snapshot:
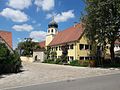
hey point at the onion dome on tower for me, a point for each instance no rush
(53, 24)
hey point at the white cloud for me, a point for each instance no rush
(49, 16)
(46, 5)
(63, 16)
(19, 4)
(24, 27)
(38, 35)
(14, 15)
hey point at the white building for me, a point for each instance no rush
(117, 46)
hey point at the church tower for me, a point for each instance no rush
(52, 31)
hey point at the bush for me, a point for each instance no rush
(84, 63)
(58, 61)
(92, 63)
(51, 61)
(74, 63)
(9, 62)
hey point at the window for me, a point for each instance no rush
(67, 46)
(86, 58)
(71, 57)
(107, 47)
(90, 47)
(71, 46)
(90, 58)
(56, 48)
(59, 47)
(52, 30)
(81, 58)
(52, 49)
(81, 46)
(86, 47)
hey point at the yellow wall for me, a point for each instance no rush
(75, 52)
(83, 52)
(49, 38)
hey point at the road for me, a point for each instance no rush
(106, 82)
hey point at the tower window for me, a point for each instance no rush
(52, 30)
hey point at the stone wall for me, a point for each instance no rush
(38, 56)
(26, 59)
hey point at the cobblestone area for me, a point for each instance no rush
(39, 73)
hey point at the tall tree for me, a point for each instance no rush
(102, 22)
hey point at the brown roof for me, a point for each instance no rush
(9, 47)
(7, 36)
(42, 44)
(69, 35)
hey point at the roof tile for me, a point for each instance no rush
(71, 34)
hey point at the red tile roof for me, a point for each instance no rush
(42, 44)
(7, 36)
(69, 35)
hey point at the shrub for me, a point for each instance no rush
(87, 63)
(51, 61)
(9, 62)
(74, 63)
(58, 61)
(84, 63)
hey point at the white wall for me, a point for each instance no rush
(40, 56)
(117, 47)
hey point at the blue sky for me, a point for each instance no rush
(29, 18)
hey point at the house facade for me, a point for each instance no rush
(73, 37)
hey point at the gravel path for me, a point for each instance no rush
(38, 73)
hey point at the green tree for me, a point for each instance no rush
(102, 23)
(9, 62)
(47, 52)
(53, 55)
(26, 48)
(64, 53)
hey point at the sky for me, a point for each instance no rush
(30, 18)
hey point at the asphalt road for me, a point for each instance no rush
(106, 82)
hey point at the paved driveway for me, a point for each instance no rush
(39, 73)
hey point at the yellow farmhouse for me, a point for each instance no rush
(78, 47)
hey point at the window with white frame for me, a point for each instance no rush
(86, 47)
(59, 47)
(71, 46)
(81, 46)
(81, 58)
(71, 58)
